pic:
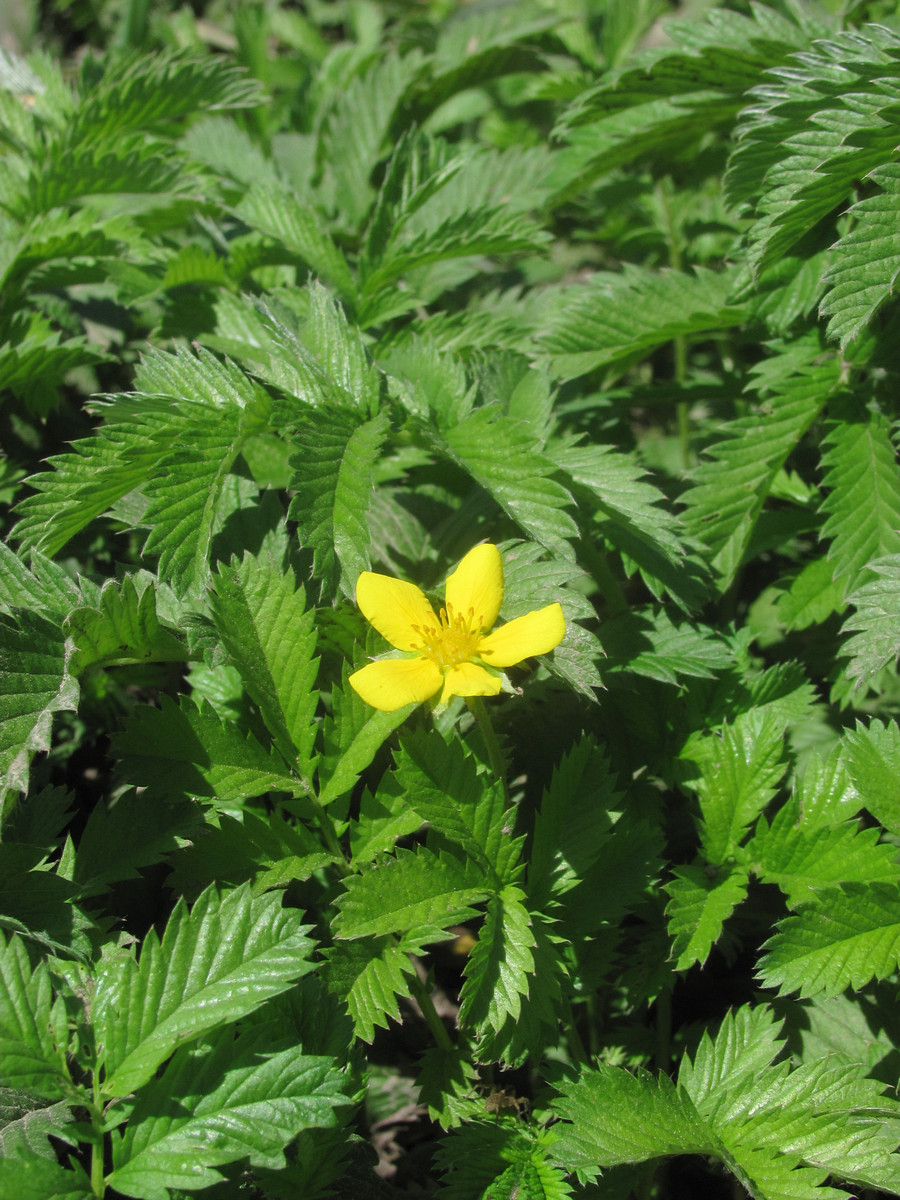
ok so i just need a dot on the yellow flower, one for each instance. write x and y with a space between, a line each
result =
450 652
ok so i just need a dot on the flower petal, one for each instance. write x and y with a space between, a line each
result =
468 679
477 584
394 608
535 633
392 682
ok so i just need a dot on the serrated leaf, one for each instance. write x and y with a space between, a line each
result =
42 585
214 964
812 597
383 819
229 1100
863 497
443 785
484 1160
416 889
353 735
500 963
503 456
700 905
369 976
262 618
32 1058
333 468
99 471
41 1179
650 644
732 484
800 860
273 209
617 317
122 628
739 778
875 625
866 262
572 823
617 1117
185 749
34 684
872 760
135 831
848 938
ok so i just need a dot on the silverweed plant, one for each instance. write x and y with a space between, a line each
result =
449 600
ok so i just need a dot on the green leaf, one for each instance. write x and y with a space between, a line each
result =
850 936
800 860
531 580
229 1100
648 643
353 735
502 455
185 749
500 963
740 773
267 850
383 819
99 471
733 483
333 463
812 136
261 615
214 964
863 498
812 596
443 785
617 317
866 262
132 832
34 684
369 976
41 1179
357 127
616 1117
488 1159
700 905
43 586
872 759
122 628
875 625
414 890
273 209
573 821
32 1041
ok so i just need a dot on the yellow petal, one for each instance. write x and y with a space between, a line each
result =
392 682
477 584
535 633
394 608
468 679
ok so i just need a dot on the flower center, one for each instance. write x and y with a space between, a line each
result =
454 641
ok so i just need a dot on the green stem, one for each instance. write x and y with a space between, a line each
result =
98 1185
679 343
331 840
664 1029
429 1012
478 709
595 560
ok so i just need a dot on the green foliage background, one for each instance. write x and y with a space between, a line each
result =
291 292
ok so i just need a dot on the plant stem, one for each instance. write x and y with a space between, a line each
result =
429 1012
478 709
98 1185
679 342
330 836
664 1029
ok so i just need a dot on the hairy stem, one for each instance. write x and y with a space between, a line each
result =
478 709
